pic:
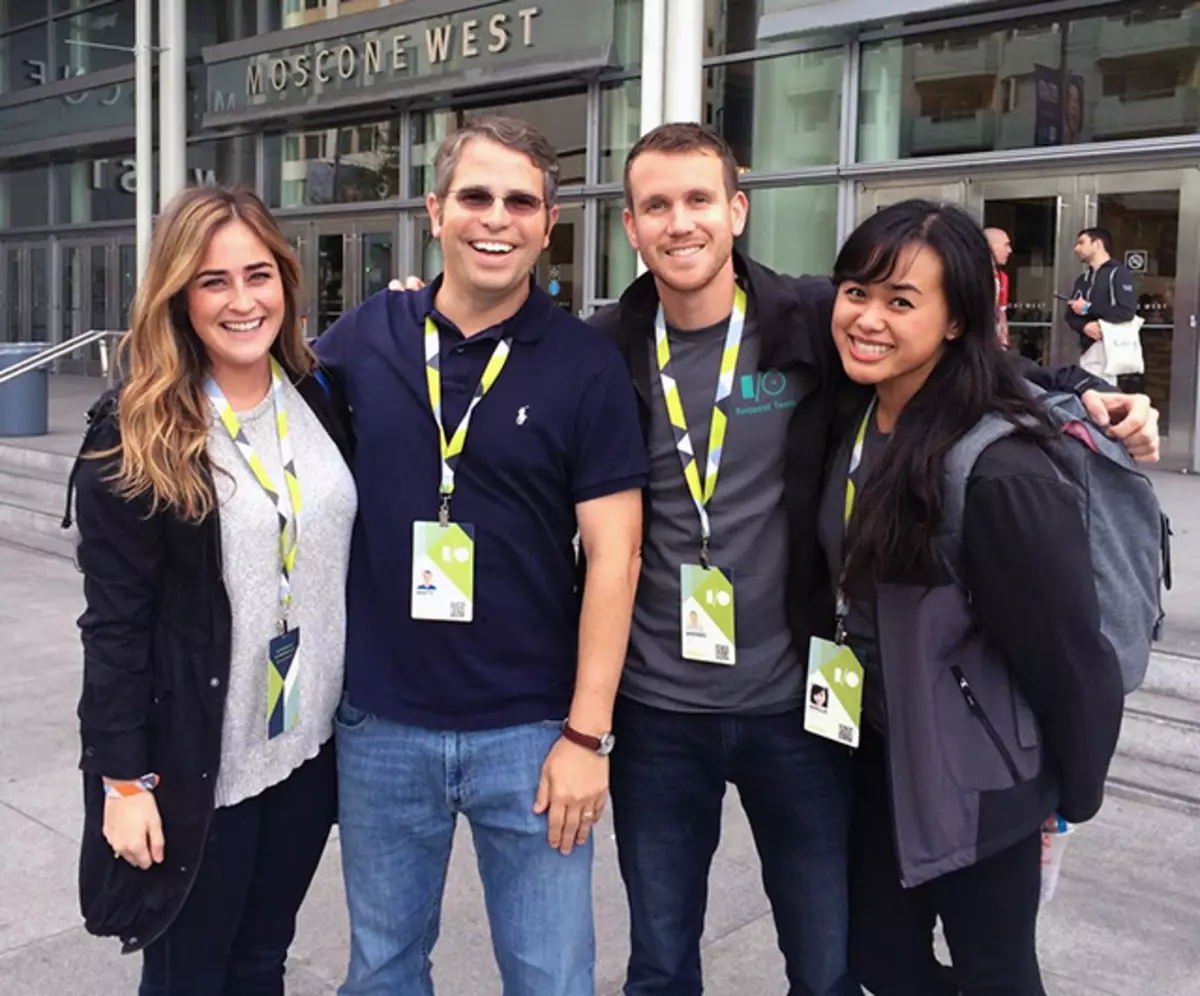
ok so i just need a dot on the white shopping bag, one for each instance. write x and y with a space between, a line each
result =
1122 342
1094 360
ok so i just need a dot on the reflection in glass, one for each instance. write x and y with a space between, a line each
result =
377 262
82 42
17 12
792 229
563 120
39 297
1032 226
559 270
782 113
127 271
25 59
25 197
1145 231
331 272
345 165
1129 72
12 287
620 122
618 261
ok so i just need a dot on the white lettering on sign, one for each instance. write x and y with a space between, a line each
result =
365 59
498 29
399 56
527 14
437 43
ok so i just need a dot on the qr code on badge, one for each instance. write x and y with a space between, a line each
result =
723 653
458 610
845 733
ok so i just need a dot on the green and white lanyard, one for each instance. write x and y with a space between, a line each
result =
289 525
452 450
856 455
702 491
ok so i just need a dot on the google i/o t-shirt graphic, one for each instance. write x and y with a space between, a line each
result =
749 534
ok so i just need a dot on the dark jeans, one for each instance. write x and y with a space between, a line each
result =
669 773
232 936
988 911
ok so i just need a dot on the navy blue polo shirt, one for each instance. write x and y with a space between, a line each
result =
559 427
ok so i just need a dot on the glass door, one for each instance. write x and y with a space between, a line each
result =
344 262
85 297
26 294
559 270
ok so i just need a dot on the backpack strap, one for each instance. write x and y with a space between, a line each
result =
960 461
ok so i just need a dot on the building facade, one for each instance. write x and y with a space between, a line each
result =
1043 119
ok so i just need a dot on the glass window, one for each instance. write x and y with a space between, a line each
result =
618 261
621 116
1123 74
82 43
14 13
99 189
344 165
297 12
210 22
793 229
782 113
25 59
563 120
627 38
25 197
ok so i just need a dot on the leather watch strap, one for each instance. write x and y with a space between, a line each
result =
582 739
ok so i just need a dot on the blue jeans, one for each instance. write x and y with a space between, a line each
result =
400 790
669 773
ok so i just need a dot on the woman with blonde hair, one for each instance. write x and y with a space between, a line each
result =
215 508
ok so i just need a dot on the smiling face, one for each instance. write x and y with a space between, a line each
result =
894 332
489 246
235 301
683 220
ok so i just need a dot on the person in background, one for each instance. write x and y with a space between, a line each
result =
215 508
1001 247
1103 292
952 786
491 428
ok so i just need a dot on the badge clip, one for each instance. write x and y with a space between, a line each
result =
444 511
704 561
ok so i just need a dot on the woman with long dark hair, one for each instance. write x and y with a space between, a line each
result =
990 699
215 509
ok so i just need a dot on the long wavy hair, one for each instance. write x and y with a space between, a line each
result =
163 410
898 513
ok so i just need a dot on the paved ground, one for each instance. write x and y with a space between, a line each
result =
1125 923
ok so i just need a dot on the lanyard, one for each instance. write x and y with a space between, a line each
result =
856 455
289 539
702 492
452 450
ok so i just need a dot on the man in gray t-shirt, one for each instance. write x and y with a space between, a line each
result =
686 729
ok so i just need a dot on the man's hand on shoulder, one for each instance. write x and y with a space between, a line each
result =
1130 418
410 283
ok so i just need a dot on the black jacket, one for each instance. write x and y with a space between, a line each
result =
1109 288
792 316
156 656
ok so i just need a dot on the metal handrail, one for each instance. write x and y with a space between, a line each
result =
59 350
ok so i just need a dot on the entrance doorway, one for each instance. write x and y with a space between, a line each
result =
1154 219
25 292
344 261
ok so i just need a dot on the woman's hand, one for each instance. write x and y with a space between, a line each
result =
133 828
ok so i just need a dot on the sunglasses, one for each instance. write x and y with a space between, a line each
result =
480 199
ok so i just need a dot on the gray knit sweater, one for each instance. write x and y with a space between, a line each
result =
250 763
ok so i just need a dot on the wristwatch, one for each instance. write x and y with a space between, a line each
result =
602 745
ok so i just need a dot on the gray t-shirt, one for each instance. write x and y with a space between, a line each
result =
250 763
749 535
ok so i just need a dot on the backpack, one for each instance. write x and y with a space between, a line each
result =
1128 533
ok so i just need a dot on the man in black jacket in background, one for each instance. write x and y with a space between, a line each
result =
1103 292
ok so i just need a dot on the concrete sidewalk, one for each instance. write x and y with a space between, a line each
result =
1125 922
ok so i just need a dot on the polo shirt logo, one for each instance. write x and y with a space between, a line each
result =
764 391
522 415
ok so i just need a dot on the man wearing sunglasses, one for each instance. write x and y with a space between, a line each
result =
490 427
